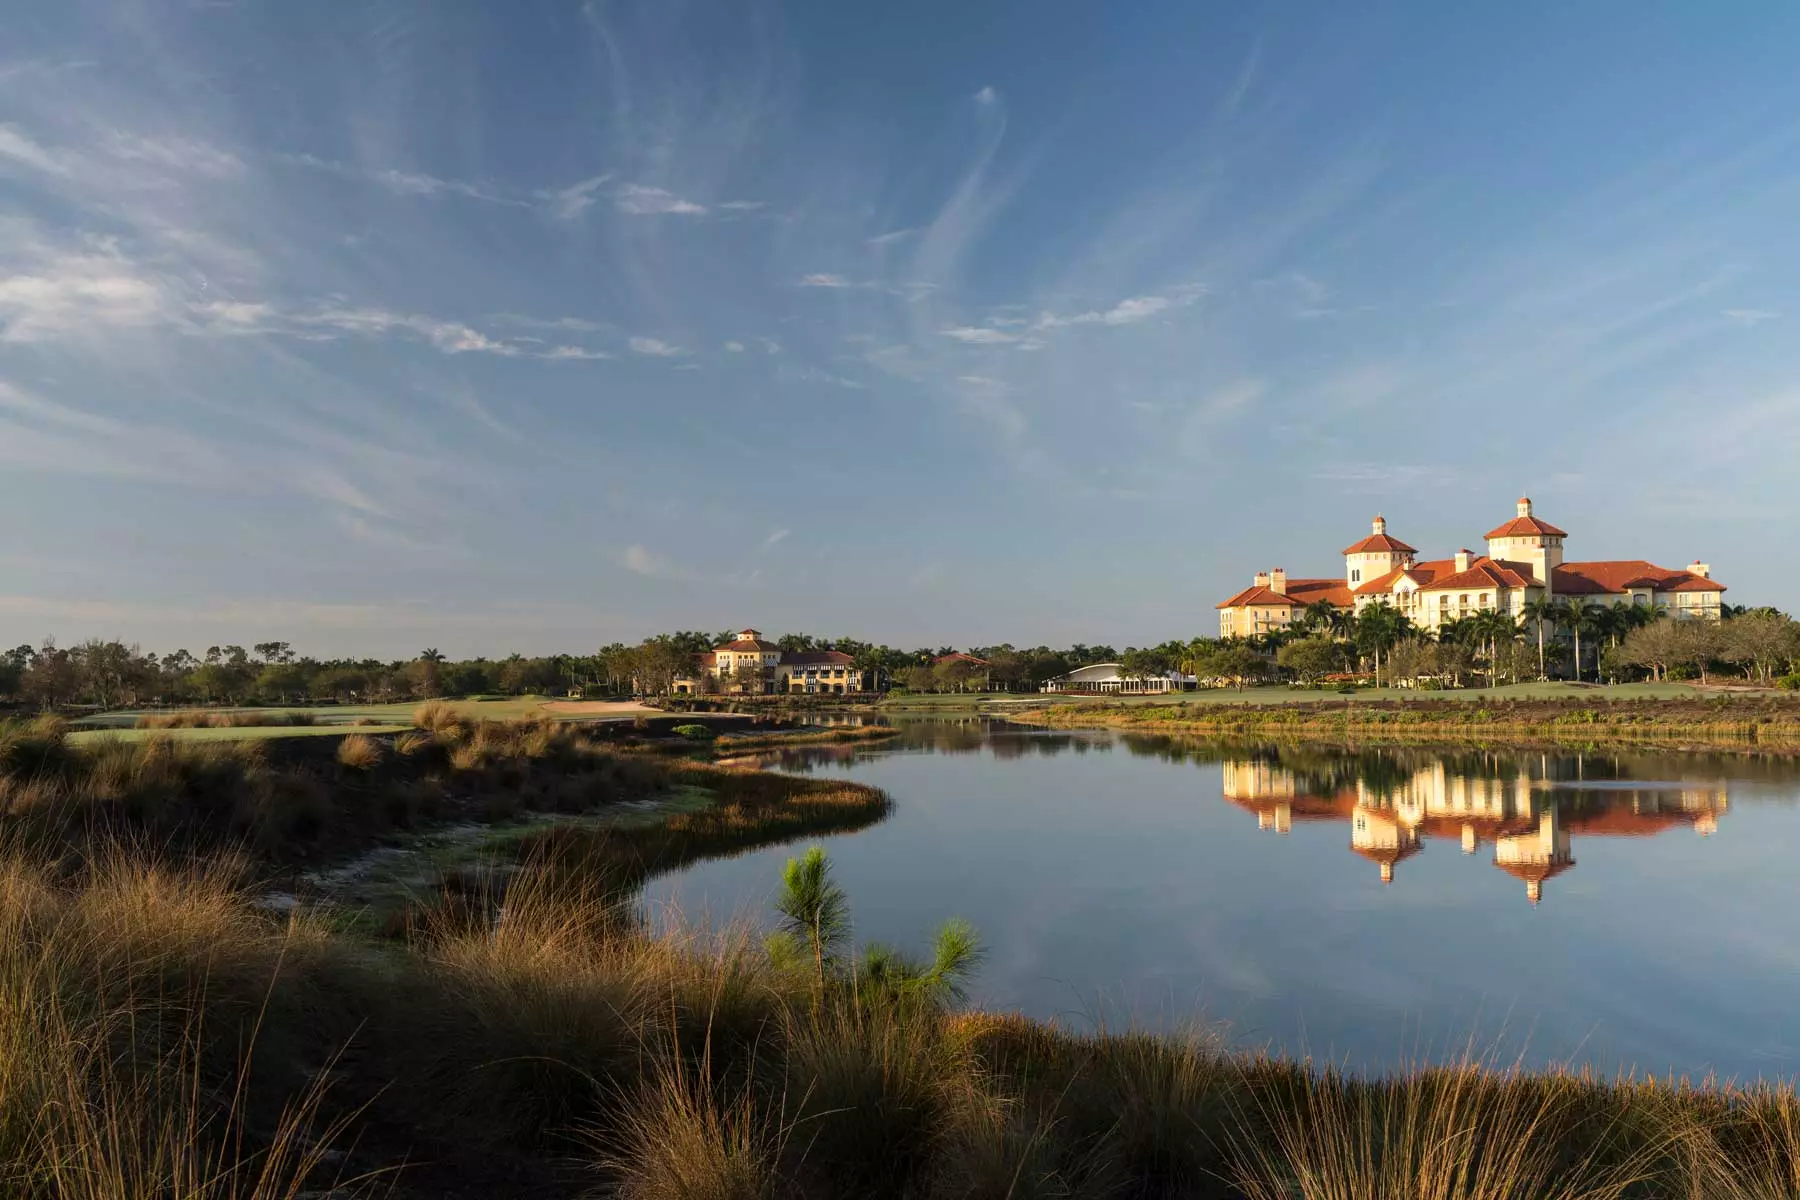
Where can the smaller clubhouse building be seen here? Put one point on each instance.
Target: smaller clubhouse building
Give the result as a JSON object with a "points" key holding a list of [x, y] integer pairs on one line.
{"points": [[749, 665], [1524, 562]]}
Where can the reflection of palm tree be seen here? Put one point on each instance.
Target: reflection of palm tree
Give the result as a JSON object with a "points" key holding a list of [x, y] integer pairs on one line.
{"points": [[1538, 612]]}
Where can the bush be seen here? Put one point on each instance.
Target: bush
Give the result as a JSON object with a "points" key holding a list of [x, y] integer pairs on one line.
{"points": [[1789, 683], [695, 733], [359, 752]]}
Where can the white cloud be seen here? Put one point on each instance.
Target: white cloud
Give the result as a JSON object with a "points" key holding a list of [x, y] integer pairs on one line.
{"points": [[406, 183], [1749, 316], [743, 205], [641, 560], [775, 538], [639, 200], [883, 239], [14, 145], [977, 336], [574, 352], [987, 95], [655, 347], [570, 202], [78, 292], [1138, 308], [184, 155], [770, 345], [1125, 312], [825, 281], [735, 347]]}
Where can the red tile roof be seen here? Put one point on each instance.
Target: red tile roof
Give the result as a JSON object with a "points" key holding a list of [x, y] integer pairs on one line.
{"points": [[748, 646], [1599, 578], [1299, 592], [1442, 573], [1387, 855], [1485, 572], [1535, 872], [1526, 527], [813, 658], [1378, 542]]}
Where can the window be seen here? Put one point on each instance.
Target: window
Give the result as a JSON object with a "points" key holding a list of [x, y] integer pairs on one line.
{"points": [[1355, 574], [1484, 599]]}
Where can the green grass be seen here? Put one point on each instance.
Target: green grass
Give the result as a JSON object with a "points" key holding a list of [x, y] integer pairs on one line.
{"points": [[972, 701]]}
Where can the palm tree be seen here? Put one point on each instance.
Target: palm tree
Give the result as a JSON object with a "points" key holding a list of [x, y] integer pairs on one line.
{"points": [[1319, 615], [1591, 621], [1496, 625], [1538, 611], [1378, 627]]}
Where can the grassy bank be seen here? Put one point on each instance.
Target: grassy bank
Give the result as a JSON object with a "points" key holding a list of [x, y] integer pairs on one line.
{"points": [[527, 1034], [1764, 723], [163, 1037]]}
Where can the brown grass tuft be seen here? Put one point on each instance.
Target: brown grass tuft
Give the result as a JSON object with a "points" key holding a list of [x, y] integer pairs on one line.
{"points": [[360, 752]]}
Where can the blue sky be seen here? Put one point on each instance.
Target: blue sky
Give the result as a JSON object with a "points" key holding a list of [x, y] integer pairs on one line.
{"points": [[539, 325]]}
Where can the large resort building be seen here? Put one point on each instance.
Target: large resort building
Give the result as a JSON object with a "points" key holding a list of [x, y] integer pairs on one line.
{"points": [[748, 664], [1524, 562]]}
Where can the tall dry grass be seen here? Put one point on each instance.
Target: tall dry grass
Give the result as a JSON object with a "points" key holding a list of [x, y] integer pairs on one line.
{"points": [[224, 719]]}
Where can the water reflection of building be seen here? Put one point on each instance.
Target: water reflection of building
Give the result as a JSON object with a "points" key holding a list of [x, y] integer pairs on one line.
{"points": [[1530, 809]]}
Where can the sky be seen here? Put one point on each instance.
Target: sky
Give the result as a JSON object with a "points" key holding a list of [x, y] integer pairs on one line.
{"points": [[534, 326]]}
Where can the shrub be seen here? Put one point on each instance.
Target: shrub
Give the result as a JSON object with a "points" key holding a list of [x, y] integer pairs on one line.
{"points": [[679, 1140], [1789, 682], [437, 716], [695, 733], [359, 752]]}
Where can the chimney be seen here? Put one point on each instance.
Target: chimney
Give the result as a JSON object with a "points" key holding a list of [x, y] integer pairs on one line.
{"points": [[1261, 580], [1524, 506], [1278, 581], [1380, 525], [1701, 569], [1462, 560]]}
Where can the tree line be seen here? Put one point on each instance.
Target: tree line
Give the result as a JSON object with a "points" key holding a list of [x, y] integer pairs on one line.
{"points": [[1551, 638]]}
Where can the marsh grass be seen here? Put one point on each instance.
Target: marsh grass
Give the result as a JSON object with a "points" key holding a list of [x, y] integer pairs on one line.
{"points": [[163, 1038]]}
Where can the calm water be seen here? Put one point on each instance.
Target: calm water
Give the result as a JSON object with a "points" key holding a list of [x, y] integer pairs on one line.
{"points": [[1611, 909]]}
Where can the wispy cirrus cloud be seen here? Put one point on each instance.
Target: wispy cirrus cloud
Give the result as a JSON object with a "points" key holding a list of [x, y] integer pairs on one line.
{"points": [[408, 183], [978, 335], [570, 202], [640, 201], [655, 347], [1749, 316], [825, 280]]}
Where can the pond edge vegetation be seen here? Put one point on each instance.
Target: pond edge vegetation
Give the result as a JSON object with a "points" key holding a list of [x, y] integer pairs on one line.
{"points": [[530, 1034]]}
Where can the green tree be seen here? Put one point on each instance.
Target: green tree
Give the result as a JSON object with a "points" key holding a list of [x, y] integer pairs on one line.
{"points": [[1540, 612], [1378, 627], [1311, 658], [815, 914]]}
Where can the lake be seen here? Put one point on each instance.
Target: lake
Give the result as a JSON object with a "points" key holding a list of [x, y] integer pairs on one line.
{"points": [[1613, 909]]}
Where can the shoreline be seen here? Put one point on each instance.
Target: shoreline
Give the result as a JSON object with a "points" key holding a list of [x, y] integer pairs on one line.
{"points": [[1758, 725]]}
